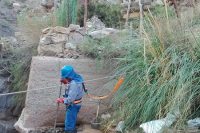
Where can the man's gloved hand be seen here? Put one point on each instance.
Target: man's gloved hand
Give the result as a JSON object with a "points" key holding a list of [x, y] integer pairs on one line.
{"points": [[60, 100], [64, 81]]}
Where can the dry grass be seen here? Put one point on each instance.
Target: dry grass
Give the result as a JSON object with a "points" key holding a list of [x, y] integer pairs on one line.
{"points": [[31, 23]]}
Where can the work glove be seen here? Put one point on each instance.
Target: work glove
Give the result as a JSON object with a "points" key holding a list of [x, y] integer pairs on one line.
{"points": [[60, 100], [64, 81]]}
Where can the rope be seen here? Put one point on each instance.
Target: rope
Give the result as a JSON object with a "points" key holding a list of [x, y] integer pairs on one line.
{"points": [[19, 92], [117, 86]]}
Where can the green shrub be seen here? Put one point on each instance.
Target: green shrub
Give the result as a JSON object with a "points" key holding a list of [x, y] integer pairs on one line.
{"points": [[106, 48], [62, 14], [19, 61], [19, 67], [110, 15], [99, 49], [31, 24], [67, 13], [159, 11]]}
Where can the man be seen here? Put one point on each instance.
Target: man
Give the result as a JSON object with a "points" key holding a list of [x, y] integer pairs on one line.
{"points": [[73, 94]]}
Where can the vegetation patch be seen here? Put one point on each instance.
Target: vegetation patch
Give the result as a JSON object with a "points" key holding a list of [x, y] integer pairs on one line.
{"points": [[32, 22], [18, 60], [162, 74], [66, 14]]}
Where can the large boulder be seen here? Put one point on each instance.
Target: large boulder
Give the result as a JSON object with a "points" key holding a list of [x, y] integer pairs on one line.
{"points": [[43, 89], [95, 24]]}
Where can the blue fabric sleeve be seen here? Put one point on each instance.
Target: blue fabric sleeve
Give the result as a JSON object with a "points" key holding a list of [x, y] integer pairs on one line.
{"points": [[73, 92]]}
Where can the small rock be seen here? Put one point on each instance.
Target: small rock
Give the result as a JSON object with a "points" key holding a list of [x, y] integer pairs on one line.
{"points": [[69, 55], [46, 30], [70, 46], [60, 55], [74, 27], [120, 127], [105, 116], [46, 40], [98, 34], [157, 2], [75, 57], [63, 30], [17, 7], [194, 123], [47, 3]]}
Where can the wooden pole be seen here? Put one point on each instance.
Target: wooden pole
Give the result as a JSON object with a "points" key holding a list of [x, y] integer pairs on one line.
{"points": [[166, 12], [141, 17], [176, 8], [85, 12], [127, 13]]}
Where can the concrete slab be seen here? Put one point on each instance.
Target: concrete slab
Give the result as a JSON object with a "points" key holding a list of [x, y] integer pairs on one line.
{"points": [[40, 107]]}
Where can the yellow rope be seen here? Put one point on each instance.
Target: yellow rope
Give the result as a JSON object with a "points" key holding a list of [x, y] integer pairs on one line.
{"points": [[116, 87]]}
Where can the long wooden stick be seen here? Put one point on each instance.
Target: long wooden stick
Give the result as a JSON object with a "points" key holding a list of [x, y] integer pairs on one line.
{"points": [[141, 17], [55, 122], [85, 12], [128, 12]]}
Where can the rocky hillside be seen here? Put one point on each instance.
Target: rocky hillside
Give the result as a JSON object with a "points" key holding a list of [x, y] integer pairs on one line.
{"points": [[7, 19]]}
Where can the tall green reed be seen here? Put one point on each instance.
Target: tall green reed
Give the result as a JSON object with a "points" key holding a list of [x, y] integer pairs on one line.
{"points": [[162, 74]]}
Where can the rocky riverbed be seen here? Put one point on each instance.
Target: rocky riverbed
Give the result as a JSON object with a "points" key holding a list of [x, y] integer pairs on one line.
{"points": [[8, 111]]}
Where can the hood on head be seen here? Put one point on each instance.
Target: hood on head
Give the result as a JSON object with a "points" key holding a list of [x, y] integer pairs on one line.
{"points": [[68, 72]]}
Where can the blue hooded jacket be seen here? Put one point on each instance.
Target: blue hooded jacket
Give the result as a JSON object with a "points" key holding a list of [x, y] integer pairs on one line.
{"points": [[75, 89]]}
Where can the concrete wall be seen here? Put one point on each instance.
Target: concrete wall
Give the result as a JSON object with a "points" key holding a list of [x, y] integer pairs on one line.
{"points": [[40, 107]]}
